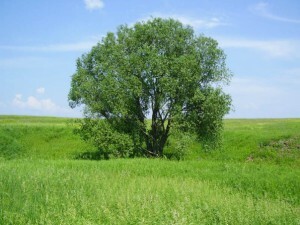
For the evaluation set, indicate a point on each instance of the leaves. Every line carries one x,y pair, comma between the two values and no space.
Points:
158,68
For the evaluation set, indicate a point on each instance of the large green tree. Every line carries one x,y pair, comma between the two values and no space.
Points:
159,69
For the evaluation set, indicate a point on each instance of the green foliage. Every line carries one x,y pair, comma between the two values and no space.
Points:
108,141
178,146
158,68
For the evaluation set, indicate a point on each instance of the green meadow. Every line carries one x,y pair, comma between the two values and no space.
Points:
48,176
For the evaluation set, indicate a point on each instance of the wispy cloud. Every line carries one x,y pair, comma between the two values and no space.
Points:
293,72
272,48
23,62
196,23
290,78
93,4
254,97
67,47
262,9
199,23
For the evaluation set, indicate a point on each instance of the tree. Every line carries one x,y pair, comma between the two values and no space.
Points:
158,69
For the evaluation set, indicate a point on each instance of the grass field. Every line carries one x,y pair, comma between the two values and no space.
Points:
253,179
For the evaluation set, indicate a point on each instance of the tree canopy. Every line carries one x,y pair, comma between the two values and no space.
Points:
158,71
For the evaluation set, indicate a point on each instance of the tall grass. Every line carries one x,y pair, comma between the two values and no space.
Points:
253,179
141,191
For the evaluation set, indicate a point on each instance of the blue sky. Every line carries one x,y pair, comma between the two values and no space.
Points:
40,41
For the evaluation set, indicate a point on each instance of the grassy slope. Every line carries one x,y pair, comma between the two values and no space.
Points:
252,140
39,138
251,181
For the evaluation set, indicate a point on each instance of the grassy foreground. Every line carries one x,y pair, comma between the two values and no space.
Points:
142,191
254,179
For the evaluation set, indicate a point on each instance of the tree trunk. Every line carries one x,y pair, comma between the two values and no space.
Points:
157,136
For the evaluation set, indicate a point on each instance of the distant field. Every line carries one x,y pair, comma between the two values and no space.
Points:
254,179
267,140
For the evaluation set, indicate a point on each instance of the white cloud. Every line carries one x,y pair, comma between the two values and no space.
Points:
196,23
37,106
273,48
67,47
34,103
43,104
262,9
17,101
40,90
93,4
